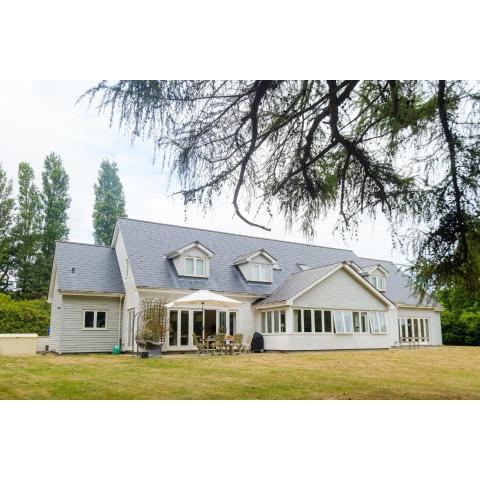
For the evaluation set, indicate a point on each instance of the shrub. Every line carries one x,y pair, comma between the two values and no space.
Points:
24,316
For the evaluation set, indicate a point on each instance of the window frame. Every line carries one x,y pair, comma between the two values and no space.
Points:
259,266
378,281
273,321
95,312
376,314
194,260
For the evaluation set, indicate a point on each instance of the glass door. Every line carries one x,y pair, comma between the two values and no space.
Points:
179,329
198,323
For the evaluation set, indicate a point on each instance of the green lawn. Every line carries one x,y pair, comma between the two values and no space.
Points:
437,373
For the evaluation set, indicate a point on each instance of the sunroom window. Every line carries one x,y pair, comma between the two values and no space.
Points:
343,321
378,323
273,321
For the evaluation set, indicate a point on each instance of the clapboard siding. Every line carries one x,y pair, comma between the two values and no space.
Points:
434,321
55,320
339,290
74,338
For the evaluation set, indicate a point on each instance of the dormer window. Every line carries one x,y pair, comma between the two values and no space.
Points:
192,260
195,266
378,282
261,272
257,266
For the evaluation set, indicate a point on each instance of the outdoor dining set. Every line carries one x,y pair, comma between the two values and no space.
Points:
221,344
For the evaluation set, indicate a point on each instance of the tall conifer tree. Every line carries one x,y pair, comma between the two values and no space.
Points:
109,202
7,205
27,234
56,202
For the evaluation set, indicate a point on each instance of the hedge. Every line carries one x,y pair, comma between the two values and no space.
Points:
461,328
24,316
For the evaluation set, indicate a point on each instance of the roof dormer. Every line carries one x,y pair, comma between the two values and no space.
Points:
257,266
192,260
376,275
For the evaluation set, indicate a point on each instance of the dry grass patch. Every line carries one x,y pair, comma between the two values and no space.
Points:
438,373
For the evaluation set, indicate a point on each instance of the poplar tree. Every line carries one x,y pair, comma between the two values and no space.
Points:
56,202
27,233
7,205
109,203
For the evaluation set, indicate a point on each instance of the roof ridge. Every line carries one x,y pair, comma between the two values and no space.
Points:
236,234
83,243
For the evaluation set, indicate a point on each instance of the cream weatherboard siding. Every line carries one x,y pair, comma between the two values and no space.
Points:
76,339
340,291
56,320
434,321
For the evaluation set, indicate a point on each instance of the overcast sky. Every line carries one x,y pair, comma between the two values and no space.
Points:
39,117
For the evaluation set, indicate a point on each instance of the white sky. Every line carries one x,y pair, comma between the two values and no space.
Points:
37,117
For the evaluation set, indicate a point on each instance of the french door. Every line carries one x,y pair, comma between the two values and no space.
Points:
179,329
414,329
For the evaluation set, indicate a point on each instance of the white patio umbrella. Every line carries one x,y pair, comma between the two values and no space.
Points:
204,297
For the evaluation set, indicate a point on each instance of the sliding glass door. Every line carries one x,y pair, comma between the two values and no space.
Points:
414,329
179,329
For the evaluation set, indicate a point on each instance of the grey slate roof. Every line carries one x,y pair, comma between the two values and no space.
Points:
148,243
96,268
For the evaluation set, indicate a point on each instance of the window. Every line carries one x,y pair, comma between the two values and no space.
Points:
378,324
360,324
297,320
222,322
94,319
232,325
260,272
378,282
195,266
343,321
283,321
273,321
318,321
327,321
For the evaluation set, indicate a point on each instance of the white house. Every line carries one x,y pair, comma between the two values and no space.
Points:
300,297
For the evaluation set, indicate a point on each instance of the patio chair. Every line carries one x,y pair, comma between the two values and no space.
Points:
237,343
246,346
200,344
219,344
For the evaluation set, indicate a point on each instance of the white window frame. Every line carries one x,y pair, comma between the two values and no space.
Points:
378,282
195,269
271,321
259,267
340,319
95,312
361,314
312,317
374,320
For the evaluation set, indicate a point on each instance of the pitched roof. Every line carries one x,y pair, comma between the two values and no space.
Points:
148,243
297,282
95,268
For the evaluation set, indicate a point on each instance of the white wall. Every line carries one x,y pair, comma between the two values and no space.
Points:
340,291
56,320
131,299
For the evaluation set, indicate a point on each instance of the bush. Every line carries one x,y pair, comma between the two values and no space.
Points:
461,328
24,316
